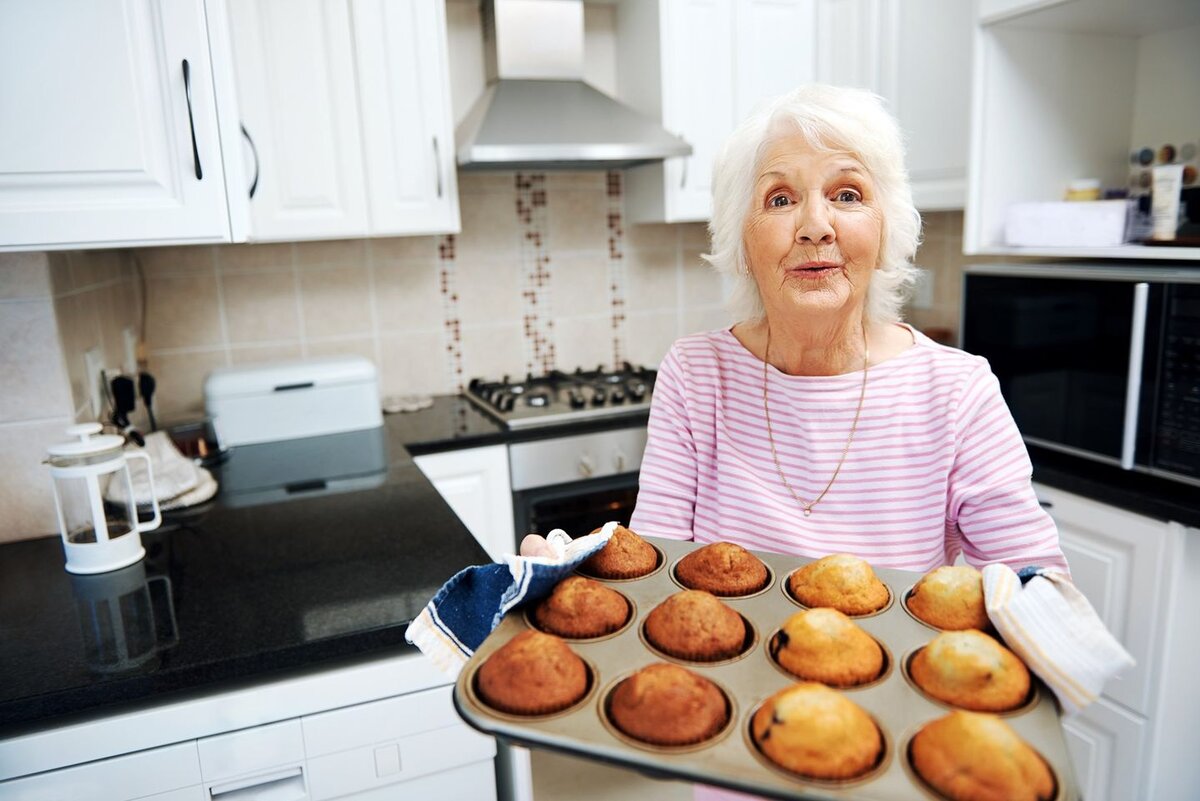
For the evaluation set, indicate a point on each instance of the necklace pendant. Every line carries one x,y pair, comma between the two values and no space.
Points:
807,511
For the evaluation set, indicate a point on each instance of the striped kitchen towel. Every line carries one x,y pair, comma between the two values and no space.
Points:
1050,624
468,606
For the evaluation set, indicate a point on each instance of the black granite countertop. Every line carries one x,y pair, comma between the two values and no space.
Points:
262,579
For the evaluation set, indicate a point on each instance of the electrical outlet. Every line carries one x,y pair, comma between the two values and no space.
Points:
93,376
129,338
923,291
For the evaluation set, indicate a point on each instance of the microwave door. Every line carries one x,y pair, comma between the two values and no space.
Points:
1169,437
1062,349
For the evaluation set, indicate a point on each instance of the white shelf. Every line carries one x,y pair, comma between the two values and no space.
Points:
1124,252
1108,17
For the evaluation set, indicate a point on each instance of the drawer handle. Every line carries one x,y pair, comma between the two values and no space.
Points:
284,785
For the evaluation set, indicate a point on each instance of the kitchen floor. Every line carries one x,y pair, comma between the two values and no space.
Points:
558,777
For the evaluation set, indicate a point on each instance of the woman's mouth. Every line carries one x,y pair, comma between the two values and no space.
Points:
814,269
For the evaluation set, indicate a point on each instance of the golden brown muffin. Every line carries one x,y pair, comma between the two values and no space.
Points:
532,674
722,568
665,704
950,598
971,670
969,756
695,625
626,555
826,646
579,607
840,581
817,732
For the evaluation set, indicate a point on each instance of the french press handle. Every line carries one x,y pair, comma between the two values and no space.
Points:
155,521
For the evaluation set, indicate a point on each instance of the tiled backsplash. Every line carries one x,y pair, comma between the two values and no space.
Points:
545,273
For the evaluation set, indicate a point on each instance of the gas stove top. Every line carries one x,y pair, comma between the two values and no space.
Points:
559,397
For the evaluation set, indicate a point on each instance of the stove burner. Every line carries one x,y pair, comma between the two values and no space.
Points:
558,397
537,398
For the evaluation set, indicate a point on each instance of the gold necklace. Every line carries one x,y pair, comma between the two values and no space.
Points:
807,506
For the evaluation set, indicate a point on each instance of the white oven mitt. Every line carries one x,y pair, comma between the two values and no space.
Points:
475,599
1050,624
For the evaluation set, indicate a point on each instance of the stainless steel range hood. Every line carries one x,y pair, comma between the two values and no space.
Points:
537,112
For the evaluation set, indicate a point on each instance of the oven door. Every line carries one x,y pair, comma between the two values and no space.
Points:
577,508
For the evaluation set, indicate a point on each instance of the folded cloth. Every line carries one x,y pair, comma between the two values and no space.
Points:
472,603
1050,624
174,474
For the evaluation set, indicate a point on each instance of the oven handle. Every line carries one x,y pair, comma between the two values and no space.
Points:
1133,383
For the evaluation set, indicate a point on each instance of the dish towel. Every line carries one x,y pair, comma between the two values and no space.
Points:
1049,623
178,481
468,606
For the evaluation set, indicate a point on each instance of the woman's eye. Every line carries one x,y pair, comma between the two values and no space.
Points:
778,201
847,196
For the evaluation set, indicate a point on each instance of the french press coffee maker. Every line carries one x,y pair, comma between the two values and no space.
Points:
97,537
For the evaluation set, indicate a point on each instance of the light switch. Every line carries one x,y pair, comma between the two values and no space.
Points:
387,760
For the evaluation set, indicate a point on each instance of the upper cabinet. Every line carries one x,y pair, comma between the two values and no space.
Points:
1067,90
346,109
109,132
700,66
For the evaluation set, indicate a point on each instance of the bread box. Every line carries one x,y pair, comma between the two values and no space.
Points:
291,400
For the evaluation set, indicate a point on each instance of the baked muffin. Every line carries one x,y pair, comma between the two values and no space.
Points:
722,568
826,646
666,704
840,581
971,670
626,555
950,598
816,732
695,625
969,756
532,674
579,607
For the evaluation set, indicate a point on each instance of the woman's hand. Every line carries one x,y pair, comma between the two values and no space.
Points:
534,545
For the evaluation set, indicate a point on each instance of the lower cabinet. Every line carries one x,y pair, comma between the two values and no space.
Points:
171,773
1106,744
475,483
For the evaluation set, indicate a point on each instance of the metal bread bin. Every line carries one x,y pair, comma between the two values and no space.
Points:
730,759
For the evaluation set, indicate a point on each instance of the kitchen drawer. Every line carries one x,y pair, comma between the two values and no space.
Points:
393,761
474,782
252,750
374,722
171,773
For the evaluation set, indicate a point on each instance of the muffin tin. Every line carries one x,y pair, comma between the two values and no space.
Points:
730,759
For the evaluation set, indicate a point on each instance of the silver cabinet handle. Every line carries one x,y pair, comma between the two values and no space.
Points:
1133,382
437,165
187,88
254,151
683,177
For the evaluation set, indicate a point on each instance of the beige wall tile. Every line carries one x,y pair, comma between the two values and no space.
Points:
180,379
24,275
590,180
706,319
581,285
260,307
577,220
485,181
403,248
336,301
256,354
489,225
489,290
182,311
272,256
116,309
350,346
78,330
332,253
651,236
408,296
31,363
92,267
649,336
26,499
415,363
491,351
694,236
60,272
182,260
701,285
651,281
584,341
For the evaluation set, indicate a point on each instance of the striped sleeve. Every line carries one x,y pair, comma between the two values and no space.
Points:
992,511
666,502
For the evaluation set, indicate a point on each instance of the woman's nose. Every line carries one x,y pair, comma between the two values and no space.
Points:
814,224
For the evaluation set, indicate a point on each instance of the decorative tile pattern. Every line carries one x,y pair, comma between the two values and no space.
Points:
537,320
616,266
451,319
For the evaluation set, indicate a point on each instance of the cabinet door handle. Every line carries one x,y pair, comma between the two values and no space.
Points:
284,784
437,166
187,87
683,177
1133,381
254,152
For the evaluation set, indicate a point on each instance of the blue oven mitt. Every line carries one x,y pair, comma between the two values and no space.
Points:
472,603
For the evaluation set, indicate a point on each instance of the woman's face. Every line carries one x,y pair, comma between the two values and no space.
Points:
814,231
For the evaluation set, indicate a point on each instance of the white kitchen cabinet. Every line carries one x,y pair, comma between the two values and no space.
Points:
475,483
171,773
1067,90
108,138
1142,576
347,103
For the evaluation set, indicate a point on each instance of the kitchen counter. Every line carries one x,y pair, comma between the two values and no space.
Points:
262,581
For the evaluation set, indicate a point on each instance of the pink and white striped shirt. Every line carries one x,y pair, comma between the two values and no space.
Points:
937,466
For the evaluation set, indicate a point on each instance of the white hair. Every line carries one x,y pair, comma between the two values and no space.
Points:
830,118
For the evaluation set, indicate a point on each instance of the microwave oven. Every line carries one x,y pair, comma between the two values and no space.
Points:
1101,362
